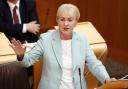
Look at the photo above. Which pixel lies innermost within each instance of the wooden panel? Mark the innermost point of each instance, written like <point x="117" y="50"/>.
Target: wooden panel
<point x="37" y="68"/>
<point x="110" y="18"/>
<point x="47" y="11"/>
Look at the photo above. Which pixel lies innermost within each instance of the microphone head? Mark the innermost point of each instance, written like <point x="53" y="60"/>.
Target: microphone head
<point x="79" y="71"/>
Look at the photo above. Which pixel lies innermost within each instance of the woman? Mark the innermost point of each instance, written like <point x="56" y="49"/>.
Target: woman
<point x="64" y="53"/>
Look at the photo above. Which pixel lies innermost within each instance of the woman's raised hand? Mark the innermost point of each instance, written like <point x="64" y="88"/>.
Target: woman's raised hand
<point x="18" y="47"/>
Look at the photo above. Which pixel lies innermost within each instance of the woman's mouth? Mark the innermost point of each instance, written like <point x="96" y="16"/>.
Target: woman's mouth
<point x="65" y="29"/>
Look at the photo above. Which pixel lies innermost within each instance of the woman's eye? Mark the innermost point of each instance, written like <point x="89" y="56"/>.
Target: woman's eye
<point x="70" y="20"/>
<point x="62" y="19"/>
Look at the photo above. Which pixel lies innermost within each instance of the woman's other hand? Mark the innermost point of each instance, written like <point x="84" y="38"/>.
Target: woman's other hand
<point x="110" y="80"/>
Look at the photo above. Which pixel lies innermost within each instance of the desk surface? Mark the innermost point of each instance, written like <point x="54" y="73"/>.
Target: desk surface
<point x="120" y="84"/>
<point x="7" y="59"/>
<point x="6" y="52"/>
<point x="90" y="31"/>
<point x="5" y="49"/>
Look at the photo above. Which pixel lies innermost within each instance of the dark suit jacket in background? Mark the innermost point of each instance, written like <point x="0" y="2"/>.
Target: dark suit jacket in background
<point x="27" y="12"/>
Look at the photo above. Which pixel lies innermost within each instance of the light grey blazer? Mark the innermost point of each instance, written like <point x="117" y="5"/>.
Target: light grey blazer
<point x="49" y="48"/>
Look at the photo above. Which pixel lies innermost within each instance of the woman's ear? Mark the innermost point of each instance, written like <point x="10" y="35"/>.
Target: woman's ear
<point x="76" y="23"/>
<point x="57" y="19"/>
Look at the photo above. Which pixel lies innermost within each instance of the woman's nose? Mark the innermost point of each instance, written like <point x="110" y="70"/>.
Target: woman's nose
<point x="66" y="23"/>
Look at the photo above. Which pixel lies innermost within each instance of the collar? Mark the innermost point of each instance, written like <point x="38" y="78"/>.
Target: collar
<point x="12" y="5"/>
<point x="56" y="35"/>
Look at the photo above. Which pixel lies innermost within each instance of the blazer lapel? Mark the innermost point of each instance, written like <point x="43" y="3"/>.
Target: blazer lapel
<point x="56" y="44"/>
<point x="75" y="51"/>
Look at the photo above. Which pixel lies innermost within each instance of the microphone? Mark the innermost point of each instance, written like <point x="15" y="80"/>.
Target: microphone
<point x="80" y="77"/>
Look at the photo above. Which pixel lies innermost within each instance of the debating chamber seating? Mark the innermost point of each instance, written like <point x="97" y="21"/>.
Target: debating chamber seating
<point x="96" y="42"/>
<point x="12" y="75"/>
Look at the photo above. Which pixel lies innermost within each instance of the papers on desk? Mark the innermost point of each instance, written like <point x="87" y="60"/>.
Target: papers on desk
<point x="6" y="52"/>
<point x="5" y="49"/>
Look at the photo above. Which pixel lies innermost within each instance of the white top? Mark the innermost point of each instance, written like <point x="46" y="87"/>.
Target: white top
<point x="67" y="76"/>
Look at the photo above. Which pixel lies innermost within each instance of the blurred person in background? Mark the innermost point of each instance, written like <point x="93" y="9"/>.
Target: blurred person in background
<point x="19" y="20"/>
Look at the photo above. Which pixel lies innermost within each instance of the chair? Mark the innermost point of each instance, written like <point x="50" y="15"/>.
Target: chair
<point x="96" y="42"/>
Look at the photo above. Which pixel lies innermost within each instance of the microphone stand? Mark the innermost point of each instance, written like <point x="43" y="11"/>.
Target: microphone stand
<point x="80" y="78"/>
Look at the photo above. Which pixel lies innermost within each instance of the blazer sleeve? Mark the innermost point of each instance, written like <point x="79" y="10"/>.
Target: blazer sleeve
<point x="32" y="56"/>
<point x="95" y="65"/>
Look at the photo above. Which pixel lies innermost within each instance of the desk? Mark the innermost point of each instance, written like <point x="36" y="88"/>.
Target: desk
<point x="120" y="84"/>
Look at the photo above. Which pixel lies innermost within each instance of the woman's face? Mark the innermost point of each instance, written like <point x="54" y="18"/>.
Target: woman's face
<point x="66" y="24"/>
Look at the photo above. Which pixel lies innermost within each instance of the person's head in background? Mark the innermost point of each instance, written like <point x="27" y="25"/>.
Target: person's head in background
<point x="67" y="18"/>
<point x="13" y="1"/>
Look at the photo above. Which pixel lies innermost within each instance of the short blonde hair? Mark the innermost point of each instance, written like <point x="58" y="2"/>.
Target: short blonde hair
<point x="69" y="8"/>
